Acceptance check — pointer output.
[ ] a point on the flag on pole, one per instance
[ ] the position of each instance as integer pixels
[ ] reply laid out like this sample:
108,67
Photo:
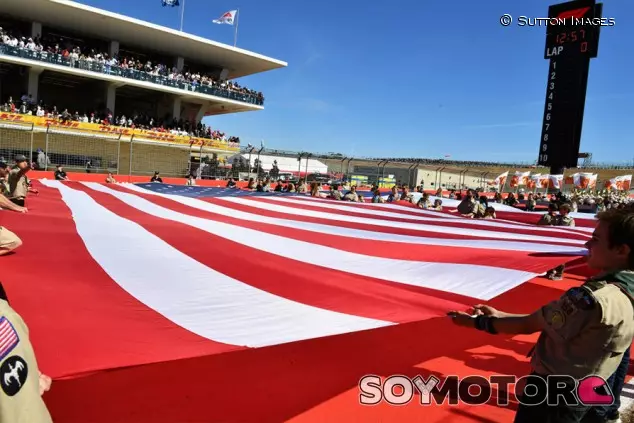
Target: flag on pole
227,18
171,3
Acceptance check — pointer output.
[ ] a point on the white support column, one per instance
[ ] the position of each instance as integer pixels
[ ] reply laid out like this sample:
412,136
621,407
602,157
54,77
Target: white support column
224,74
176,108
201,112
36,29
180,63
34,82
114,48
111,95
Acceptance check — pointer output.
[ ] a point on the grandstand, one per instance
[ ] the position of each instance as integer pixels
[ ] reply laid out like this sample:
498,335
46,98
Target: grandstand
126,95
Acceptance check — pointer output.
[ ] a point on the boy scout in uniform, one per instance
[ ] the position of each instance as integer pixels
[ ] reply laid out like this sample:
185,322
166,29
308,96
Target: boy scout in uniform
21,382
587,330
550,218
18,182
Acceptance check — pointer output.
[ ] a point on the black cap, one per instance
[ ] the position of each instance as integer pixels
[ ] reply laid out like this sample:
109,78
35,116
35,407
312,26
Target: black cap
20,158
3,165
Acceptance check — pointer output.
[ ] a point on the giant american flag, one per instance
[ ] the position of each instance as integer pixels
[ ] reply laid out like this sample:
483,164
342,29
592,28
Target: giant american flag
118,275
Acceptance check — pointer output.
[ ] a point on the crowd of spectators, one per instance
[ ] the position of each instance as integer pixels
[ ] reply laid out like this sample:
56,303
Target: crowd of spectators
27,106
62,51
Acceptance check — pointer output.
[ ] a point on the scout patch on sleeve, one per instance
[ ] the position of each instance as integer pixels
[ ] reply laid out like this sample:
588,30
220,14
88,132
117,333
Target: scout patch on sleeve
581,298
13,374
557,319
9,338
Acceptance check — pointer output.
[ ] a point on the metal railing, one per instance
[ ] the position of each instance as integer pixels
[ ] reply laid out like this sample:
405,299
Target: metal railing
104,68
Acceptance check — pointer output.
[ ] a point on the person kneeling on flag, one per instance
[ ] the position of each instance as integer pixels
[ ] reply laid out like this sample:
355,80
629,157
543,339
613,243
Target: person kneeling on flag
587,330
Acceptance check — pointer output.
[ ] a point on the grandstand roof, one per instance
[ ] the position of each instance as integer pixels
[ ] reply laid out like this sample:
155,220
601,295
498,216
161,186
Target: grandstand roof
103,24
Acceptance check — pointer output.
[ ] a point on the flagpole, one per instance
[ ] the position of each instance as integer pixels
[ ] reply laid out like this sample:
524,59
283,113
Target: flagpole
182,15
235,35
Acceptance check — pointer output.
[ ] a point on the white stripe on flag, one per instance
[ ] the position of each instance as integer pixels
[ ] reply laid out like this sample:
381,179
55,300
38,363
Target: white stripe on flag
484,282
432,220
190,294
403,225
365,234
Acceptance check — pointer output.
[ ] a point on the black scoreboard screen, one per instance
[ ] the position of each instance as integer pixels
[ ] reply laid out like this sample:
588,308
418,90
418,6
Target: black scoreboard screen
572,39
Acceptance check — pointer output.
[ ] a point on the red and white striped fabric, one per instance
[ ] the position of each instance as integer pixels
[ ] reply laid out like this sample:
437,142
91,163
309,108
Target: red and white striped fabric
148,277
8,337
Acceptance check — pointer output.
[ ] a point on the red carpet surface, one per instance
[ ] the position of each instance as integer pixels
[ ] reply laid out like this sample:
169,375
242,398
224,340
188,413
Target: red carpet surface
119,352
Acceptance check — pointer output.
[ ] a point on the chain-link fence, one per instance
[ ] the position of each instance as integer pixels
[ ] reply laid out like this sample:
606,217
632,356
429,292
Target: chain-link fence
15,139
147,157
82,150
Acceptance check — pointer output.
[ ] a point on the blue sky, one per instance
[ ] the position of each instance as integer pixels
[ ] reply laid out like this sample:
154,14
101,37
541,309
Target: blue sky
409,78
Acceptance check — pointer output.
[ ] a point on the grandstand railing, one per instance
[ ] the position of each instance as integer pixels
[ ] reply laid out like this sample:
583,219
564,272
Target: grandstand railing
93,66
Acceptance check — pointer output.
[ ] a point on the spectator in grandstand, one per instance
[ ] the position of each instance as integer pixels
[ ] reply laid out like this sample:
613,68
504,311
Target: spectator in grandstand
23,384
110,179
394,195
156,178
191,181
597,316
88,166
18,182
127,67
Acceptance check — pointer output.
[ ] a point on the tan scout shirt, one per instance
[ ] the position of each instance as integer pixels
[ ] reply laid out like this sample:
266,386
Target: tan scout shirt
18,184
565,221
547,220
20,400
586,332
